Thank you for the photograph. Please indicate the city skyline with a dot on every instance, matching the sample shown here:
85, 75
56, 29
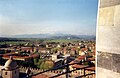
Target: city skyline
76, 17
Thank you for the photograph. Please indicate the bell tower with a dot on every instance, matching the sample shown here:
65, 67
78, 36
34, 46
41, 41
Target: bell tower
10, 69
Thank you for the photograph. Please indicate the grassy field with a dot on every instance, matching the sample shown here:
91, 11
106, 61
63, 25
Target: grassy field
26, 40
13, 42
62, 40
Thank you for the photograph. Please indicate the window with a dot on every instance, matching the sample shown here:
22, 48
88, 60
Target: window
15, 72
5, 73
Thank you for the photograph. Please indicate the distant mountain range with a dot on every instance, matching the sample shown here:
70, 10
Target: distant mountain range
54, 36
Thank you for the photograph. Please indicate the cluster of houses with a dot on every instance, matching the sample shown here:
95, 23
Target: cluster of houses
56, 52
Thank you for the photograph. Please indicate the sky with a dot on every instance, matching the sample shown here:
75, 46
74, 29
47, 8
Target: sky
77, 17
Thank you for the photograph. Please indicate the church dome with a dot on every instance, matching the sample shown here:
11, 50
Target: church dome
10, 64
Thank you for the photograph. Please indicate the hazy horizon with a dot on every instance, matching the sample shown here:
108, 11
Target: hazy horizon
77, 17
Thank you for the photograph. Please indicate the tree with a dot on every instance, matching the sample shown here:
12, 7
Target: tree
46, 64
39, 62
35, 61
42, 65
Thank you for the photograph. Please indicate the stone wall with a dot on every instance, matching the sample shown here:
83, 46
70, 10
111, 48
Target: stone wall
108, 39
34, 71
51, 73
